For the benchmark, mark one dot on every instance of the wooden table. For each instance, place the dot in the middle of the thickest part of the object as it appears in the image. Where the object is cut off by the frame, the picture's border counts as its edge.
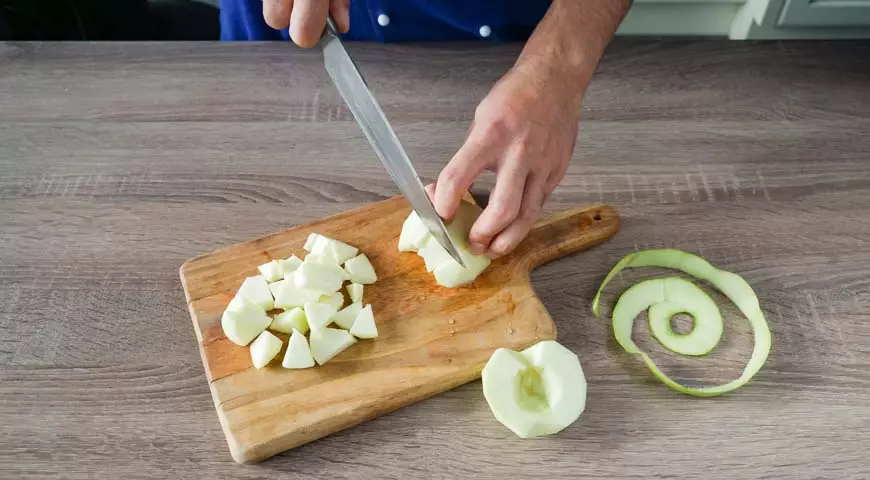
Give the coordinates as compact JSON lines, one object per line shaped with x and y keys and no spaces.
{"x":120,"y":161}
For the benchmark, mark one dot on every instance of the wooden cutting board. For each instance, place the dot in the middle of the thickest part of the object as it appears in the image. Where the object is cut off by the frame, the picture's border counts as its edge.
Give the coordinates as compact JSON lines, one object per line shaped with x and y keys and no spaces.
{"x":431,"y":338}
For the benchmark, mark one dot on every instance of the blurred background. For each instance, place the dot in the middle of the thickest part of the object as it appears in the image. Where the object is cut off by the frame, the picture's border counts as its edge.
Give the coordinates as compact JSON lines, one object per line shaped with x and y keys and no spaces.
{"x":199,"y":19}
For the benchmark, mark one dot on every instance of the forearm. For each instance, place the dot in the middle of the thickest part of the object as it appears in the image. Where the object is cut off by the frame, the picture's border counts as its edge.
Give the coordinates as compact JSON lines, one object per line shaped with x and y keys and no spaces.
{"x":569,"y":42}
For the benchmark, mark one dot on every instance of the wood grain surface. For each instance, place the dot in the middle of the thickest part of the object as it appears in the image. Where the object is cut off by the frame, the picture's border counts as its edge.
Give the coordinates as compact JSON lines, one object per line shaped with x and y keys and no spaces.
{"x":430,"y":338}
{"x":120,"y":161}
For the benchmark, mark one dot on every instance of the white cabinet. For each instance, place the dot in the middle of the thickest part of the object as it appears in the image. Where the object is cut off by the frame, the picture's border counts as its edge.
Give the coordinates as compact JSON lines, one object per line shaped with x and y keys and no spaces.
{"x":749,"y":19}
{"x":786,"y":19}
{"x":825,"y":13}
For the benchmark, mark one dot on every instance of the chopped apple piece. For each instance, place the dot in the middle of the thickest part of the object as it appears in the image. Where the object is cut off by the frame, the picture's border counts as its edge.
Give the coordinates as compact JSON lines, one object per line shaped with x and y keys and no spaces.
{"x":335,"y":300}
{"x":271,"y":271}
{"x":414,"y":234}
{"x":326,"y":343}
{"x":355,"y":292}
{"x":239,"y":303}
{"x":290,"y":320}
{"x":256,"y":290}
{"x":243,"y":325}
{"x":336,"y":249}
{"x":298,"y":354}
{"x":290,"y":296}
{"x":310,"y":241}
{"x":318,"y":277}
{"x":264,"y":349}
{"x":289,"y":265}
{"x":344,"y":318}
{"x":434,"y":255}
{"x":319,"y":315}
{"x":321,"y":259}
{"x":538,"y":391}
{"x":448,"y":272}
{"x":360,"y":270}
{"x":364,"y":324}
{"x":275,"y":287}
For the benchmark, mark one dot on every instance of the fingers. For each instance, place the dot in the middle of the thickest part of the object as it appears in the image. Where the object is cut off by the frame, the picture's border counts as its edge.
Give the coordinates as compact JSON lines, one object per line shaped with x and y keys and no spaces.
{"x":504,"y":204}
{"x":307,"y":21}
{"x":277,"y":13}
{"x":533,"y":199}
{"x":459,"y":174}
{"x":340,"y":11}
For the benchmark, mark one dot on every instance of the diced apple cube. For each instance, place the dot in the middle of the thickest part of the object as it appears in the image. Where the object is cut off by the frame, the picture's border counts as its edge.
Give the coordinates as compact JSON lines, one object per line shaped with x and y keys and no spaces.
{"x":293,"y":319}
{"x":319,"y":315}
{"x":290,"y":296}
{"x":275,"y":287}
{"x":298,"y":354}
{"x":414,"y":234}
{"x":326,"y":343}
{"x":344,"y":318}
{"x":337,"y":249}
{"x":310,"y":241}
{"x":364,"y":324}
{"x":289,"y":265}
{"x":318,"y":277}
{"x":355,"y":292}
{"x":335,"y":300}
{"x":271,"y":271}
{"x":243,"y":325}
{"x":256,"y":290}
{"x":360,"y":270}
{"x":264,"y":349}
{"x":434,"y":255}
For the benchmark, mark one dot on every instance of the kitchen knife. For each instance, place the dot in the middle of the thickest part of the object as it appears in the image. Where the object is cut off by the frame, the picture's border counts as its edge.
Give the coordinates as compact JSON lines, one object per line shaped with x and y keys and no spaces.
{"x":359,"y":99}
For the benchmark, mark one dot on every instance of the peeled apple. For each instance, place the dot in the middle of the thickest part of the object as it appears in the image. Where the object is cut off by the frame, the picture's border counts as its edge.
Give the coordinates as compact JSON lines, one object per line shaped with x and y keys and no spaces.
{"x":335,"y":299}
{"x":665,"y":297}
{"x":538,"y":391}
{"x":415,"y":237}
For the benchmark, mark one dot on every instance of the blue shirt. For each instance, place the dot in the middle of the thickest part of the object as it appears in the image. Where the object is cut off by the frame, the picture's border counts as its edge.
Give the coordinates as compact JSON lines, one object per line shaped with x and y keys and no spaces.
{"x":405,"y":20}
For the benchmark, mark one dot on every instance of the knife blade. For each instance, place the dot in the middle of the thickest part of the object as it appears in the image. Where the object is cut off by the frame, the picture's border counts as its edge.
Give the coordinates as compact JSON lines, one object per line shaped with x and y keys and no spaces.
{"x":359,"y":99}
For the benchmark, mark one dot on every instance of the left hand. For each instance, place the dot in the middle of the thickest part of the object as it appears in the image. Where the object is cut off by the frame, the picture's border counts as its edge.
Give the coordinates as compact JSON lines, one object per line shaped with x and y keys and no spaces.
{"x":524,"y":131}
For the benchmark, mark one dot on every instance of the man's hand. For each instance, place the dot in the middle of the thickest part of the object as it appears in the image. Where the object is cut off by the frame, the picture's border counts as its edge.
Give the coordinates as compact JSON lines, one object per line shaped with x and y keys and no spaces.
{"x":525,"y":129}
{"x":306,"y":18}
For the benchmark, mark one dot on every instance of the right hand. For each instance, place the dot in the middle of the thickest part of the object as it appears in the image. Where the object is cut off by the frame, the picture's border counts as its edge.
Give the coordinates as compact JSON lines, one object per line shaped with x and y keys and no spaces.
{"x":306,"y":18}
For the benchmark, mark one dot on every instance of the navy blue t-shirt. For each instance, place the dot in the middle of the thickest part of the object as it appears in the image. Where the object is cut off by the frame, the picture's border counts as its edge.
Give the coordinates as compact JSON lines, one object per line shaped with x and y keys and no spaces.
{"x":403,"y":20}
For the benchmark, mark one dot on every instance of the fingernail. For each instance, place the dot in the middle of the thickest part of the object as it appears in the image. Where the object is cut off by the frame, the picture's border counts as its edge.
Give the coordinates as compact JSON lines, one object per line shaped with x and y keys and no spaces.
{"x":477,"y":248}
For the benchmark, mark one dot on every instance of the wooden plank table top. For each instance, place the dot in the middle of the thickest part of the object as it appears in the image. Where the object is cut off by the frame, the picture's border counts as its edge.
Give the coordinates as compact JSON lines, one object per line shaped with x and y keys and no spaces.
{"x":120,"y":161}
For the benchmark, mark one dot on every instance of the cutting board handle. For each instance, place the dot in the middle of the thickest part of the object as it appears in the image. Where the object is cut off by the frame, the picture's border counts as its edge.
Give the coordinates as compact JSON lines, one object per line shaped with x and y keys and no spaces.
{"x":566,"y":233}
